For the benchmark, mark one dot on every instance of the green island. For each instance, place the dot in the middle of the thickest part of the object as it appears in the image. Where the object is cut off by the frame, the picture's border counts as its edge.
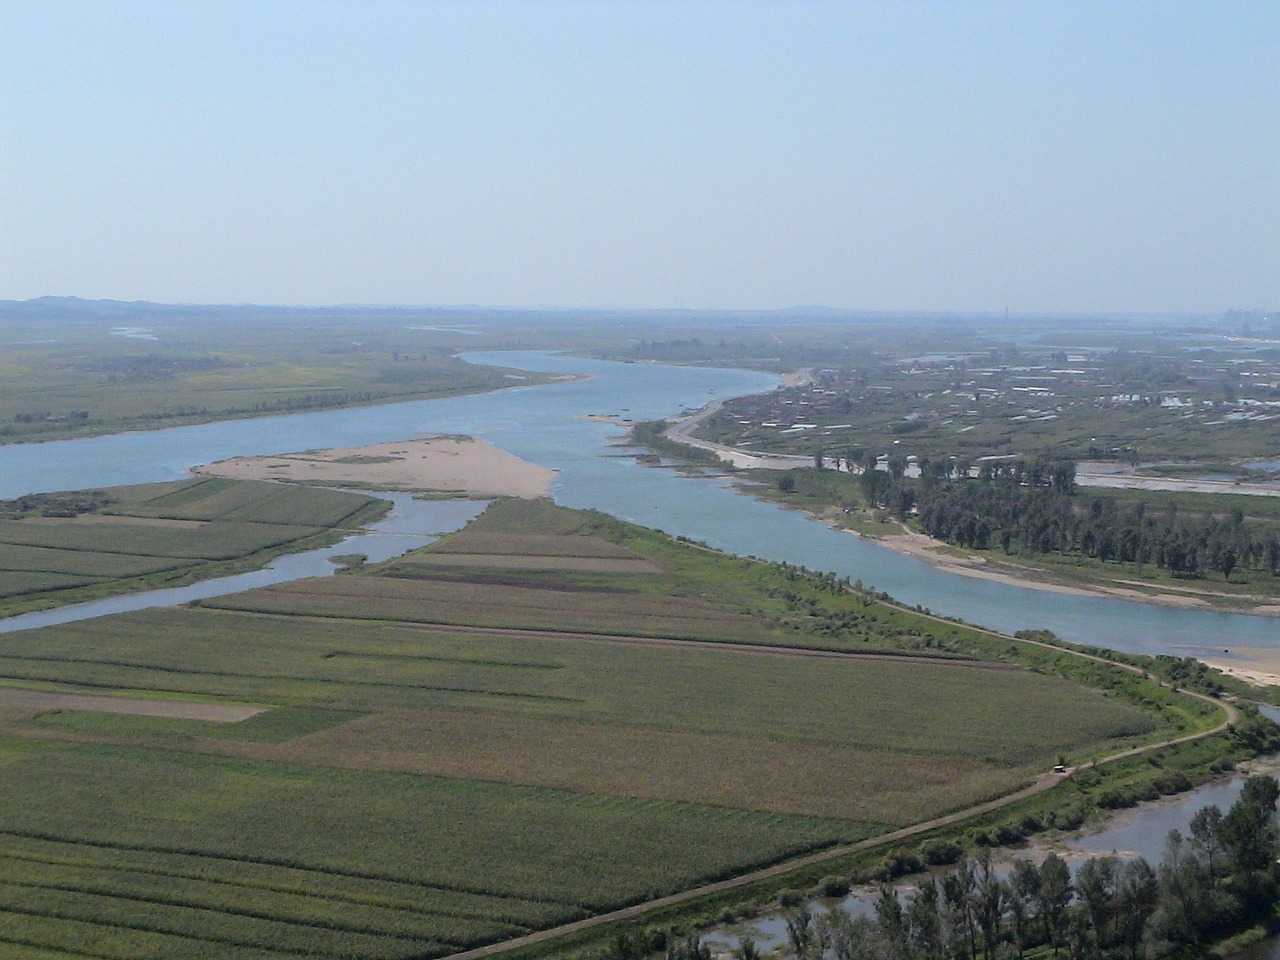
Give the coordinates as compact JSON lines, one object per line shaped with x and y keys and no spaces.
{"x":60,"y":548}
{"x":544,"y":718}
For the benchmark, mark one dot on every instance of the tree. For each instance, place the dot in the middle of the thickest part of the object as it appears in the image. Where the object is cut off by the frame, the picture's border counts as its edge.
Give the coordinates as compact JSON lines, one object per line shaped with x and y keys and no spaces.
{"x":1096,"y":885}
{"x":891,"y":922}
{"x":1024,"y":900}
{"x":989,"y":903}
{"x":924,"y":926}
{"x":1055,"y":895}
{"x":801,"y":933}
{"x":958,"y":889}
{"x":848,"y":939}
{"x":1137,"y":893}
{"x":1248,"y":831}
{"x":1205,"y":840}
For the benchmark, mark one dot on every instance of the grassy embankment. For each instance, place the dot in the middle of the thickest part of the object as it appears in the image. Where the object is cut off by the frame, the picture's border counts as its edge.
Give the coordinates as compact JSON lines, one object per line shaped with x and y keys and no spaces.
{"x":65,"y":548}
{"x":545,"y":716}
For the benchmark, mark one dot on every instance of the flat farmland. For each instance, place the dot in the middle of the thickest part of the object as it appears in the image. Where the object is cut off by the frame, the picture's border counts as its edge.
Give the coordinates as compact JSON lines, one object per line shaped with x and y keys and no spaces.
{"x":455,"y":753}
{"x":197,"y":849}
{"x":61,"y":548}
{"x":478,"y":599}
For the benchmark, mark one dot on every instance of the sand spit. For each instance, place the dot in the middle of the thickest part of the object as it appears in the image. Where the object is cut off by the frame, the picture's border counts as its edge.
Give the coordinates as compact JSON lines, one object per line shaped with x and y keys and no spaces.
{"x":459,"y":465}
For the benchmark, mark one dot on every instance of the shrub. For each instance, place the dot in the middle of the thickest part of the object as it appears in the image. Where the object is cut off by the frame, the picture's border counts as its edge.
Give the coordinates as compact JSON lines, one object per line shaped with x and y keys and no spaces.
{"x":941,"y":853}
{"x":833,"y":886}
{"x":790,"y":898}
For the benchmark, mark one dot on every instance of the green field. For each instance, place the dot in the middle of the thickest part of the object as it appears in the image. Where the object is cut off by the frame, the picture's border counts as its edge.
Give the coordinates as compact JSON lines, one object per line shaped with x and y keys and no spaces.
{"x":65,"y":370}
{"x":455,"y":755}
{"x":63,"y":548}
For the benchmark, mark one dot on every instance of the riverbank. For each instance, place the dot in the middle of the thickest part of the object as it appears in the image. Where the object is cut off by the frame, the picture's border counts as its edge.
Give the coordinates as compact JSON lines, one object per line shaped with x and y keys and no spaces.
{"x":1139,"y":831}
{"x":449,"y":465}
{"x":955,"y":560}
{"x":1253,"y":665}
{"x":945,"y":557}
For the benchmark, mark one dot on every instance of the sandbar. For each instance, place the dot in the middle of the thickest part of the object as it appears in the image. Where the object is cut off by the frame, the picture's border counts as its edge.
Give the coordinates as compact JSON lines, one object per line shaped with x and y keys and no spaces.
{"x":1255,"y":665}
{"x":454,"y":465}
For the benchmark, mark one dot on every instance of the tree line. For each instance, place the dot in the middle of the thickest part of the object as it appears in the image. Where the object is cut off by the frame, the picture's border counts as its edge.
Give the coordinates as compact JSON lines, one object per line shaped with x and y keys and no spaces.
{"x":1218,"y":880}
{"x":1033,"y":507}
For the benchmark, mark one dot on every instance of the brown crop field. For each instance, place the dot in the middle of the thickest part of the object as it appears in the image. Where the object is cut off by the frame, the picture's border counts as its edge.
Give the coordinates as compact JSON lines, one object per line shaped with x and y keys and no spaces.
{"x":426,"y":565}
{"x":455,"y":755}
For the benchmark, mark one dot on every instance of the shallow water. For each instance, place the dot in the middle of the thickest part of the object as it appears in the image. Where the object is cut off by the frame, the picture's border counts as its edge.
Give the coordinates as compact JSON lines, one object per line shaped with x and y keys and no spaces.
{"x":546,"y":424}
{"x":411,"y":524}
{"x":1142,"y":832}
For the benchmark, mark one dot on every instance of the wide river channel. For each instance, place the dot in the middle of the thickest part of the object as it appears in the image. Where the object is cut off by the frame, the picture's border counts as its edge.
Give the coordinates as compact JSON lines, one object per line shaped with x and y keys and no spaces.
{"x":548,"y":424}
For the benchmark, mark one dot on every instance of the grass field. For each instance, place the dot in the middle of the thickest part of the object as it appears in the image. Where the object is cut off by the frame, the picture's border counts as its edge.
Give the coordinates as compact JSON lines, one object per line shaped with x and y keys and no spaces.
{"x":459,"y":753}
{"x":62,"y":548}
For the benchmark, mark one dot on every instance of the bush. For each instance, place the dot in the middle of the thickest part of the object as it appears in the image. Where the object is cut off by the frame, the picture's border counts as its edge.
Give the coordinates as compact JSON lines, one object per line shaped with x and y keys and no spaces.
{"x":941,"y":853}
{"x":833,"y":886}
{"x":790,"y":898}
{"x":1007,"y":833}
{"x":1173,"y":781}
{"x":896,"y":865}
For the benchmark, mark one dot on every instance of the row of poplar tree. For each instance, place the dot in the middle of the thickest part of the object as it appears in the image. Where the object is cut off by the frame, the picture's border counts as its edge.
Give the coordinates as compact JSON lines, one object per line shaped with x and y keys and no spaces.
{"x":1219,"y":879}
{"x":1035,"y":509}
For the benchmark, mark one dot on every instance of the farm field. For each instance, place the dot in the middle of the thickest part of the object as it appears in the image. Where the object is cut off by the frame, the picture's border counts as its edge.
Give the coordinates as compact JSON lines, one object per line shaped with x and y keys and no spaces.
{"x":116,"y":367}
{"x":65,"y":547}
{"x":622,"y":716}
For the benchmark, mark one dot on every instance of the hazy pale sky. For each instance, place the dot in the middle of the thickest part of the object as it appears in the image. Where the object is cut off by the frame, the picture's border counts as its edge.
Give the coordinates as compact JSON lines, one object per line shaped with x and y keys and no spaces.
{"x":1048,"y":156}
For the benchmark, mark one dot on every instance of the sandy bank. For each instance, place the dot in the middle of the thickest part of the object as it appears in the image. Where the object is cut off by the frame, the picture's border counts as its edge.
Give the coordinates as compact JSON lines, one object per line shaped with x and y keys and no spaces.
{"x":460,"y":465}
{"x":926,"y":548}
{"x":1250,"y":664}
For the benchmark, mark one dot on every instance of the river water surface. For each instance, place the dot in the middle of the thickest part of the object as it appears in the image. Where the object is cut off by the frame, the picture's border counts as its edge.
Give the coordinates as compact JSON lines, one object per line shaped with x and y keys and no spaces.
{"x":546,"y":424}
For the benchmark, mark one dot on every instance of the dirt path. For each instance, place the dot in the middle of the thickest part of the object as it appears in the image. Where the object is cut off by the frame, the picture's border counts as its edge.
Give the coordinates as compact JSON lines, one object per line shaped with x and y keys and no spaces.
{"x":43,"y":700}
{"x":1041,"y":784}
{"x":719,"y":646}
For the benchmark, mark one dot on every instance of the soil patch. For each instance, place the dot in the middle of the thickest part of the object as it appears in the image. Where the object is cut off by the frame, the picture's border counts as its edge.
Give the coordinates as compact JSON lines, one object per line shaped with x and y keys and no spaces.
{"x":45,"y":700}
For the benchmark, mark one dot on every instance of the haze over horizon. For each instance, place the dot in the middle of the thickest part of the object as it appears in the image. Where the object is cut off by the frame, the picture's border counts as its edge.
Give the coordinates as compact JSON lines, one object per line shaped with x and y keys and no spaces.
{"x":906,"y":156}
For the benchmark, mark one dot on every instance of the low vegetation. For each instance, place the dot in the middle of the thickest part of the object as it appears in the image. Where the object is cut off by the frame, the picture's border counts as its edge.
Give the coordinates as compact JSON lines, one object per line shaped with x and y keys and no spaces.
{"x":547,"y":715}
{"x":1220,"y":880}
{"x":76,"y":368}
{"x":65,"y":547}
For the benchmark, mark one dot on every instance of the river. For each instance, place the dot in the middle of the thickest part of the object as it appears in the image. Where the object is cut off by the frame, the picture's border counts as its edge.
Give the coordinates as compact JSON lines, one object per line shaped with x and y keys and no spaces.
{"x":547,"y":424}
{"x":1140,"y":832}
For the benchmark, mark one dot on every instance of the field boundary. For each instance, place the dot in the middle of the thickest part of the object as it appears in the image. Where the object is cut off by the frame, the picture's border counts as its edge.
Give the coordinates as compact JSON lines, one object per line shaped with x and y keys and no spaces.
{"x":1042,"y":783}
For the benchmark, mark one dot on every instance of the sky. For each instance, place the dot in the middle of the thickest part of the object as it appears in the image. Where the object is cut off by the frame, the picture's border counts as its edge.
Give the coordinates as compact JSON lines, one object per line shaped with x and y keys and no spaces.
{"x":1118,"y":156}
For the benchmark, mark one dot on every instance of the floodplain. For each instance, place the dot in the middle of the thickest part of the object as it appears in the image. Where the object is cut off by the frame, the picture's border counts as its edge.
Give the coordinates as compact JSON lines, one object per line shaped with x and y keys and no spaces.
{"x":544,"y":716}
{"x":58,"y":548}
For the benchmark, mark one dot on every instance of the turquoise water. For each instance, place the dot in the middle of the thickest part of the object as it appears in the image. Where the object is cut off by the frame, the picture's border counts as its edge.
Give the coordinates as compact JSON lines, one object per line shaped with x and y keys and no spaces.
{"x":547,"y":425}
